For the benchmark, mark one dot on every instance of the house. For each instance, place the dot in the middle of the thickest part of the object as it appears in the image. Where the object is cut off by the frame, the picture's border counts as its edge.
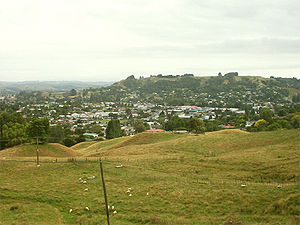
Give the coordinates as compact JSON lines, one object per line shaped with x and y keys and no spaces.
{"x":155,"y":130}
{"x":91,"y":135}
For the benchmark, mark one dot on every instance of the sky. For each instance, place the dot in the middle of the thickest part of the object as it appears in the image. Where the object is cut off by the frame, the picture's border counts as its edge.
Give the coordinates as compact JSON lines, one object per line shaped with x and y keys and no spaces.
{"x":100,"y":40}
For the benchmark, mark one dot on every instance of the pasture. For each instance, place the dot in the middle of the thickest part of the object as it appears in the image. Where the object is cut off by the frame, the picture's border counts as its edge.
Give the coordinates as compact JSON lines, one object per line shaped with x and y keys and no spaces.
{"x":224,"y":177}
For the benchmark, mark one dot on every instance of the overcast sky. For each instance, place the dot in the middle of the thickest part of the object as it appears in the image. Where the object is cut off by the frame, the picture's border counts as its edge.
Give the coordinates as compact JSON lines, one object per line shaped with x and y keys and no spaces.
{"x":108,"y":40}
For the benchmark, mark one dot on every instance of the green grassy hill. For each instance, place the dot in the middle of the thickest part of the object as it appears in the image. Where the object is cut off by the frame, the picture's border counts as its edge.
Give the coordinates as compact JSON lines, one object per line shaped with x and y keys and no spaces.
{"x":47,"y":150}
{"x":87,"y":148}
{"x":224,"y":177}
{"x":193,"y":90}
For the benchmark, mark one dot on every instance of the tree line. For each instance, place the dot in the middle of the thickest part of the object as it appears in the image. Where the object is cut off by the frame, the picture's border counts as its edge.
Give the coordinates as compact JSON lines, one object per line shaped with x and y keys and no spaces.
{"x":14,"y":129}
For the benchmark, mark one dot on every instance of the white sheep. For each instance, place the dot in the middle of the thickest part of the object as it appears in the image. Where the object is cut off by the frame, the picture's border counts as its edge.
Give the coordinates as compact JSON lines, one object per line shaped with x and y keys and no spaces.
{"x":130,"y":195}
{"x":243,"y":185}
{"x":84,"y":182}
{"x":70,"y":211}
{"x":86,"y":189}
{"x":147,"y":193}
{"x":87,"y":208}
{"x":112,"y":207}
{"x":115,"y":212}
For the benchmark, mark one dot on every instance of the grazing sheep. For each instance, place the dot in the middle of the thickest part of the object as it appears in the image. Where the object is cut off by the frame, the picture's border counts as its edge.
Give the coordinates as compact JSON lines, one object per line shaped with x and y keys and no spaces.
{"x":128,"y":191}
{"x":87,"y":208}
{"x":70,"y":211}
{"x":243,"y":185}
{"x":119,"y":166}
{"x":84,"y":182}
{"x":147,"y":193}
{"x":279,"y":186}
{"x":115,"y":212}
{"x":112,"y":207}
{"x":130,"y":195}
{"x":86,"y":189}
{"x":90,"y":178}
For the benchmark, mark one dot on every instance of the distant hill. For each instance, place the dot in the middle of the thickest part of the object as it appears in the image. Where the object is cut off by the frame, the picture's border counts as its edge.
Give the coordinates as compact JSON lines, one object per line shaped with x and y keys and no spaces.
{"x":204,"y":91}
{"x":53,"y":86}
{"x":230,"y":81}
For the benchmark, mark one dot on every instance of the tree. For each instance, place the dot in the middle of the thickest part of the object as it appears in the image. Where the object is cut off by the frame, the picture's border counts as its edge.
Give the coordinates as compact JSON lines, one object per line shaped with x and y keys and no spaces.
{"x":274,"y":126}
{"x":241,"y":122}
{"x":95,"y":128}
{"x":266,"y":114}
{"x":13,"y":134}
{"x":139,"y":126}
{"x":212,"y":125}
{"x":295,"y":120}
{"x":73,"y":92}
{"x":196,"y":125}
{"x":296,"y":98}
{"x":113,"y":129}
{"x":69,"y":142}
{"x":80,"y":138}
{"x":261,"y":125}
{"x":162,"y":114}
{"x":12,"y":129}
{"x":39,"y":128}
{"x":282,"y":112}
{"x":284,"y":124}
{"x":175,"y":123}
{"x":56,"y":134}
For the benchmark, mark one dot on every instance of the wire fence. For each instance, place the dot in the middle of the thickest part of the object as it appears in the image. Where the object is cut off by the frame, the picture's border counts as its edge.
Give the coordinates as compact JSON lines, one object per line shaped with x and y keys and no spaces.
{"x":196,"y":179}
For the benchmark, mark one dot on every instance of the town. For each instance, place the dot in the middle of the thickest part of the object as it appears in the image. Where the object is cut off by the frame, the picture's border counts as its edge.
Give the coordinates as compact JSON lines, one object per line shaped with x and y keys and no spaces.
{"x":83,"y":115}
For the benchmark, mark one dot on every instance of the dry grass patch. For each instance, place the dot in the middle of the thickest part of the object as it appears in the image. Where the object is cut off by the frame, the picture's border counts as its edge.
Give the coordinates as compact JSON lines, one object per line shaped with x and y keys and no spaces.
{"x":47,"y":150}
{"x":82,"y":145}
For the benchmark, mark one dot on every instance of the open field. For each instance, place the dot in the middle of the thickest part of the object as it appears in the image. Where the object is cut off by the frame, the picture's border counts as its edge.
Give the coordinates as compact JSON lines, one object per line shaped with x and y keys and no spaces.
{"x":190,"y":180}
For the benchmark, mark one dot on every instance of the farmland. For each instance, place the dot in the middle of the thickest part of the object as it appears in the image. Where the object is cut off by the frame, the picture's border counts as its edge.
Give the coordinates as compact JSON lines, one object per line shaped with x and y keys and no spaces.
{"x":223,"y":177}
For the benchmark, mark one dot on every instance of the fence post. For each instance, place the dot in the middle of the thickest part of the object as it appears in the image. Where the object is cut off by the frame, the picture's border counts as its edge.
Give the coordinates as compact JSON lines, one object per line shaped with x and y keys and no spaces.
{"x":37,"y":152}
{"x":104,"y":190}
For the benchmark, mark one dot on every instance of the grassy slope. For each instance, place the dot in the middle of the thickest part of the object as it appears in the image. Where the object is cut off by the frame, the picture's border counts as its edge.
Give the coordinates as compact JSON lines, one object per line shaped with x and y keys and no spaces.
{"x":29,"y":150}
{"x":82,"y":145}
{"x":88,"y":148}
{"x":191,"y":180}
{"x":152,"y":80}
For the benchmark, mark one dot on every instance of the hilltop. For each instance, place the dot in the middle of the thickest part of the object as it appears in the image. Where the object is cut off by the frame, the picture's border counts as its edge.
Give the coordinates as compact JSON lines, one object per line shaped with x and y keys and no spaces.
{"x":49,"y":86}
{"x":221,"y":177}
{"x":46,"y":150}
{"x":228,"y":90}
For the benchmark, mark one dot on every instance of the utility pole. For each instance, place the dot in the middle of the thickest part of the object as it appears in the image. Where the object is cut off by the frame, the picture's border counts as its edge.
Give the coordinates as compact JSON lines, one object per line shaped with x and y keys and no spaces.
{"x":104,"y":190}
{"x":37,"y":152}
